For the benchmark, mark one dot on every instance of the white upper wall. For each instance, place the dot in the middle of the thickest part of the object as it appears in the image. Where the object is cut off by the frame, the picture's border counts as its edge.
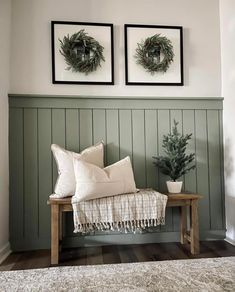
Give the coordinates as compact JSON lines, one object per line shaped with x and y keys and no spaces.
{"x":5,"y":22}
{"x":227,"y":9}
{"x":31,"y":43}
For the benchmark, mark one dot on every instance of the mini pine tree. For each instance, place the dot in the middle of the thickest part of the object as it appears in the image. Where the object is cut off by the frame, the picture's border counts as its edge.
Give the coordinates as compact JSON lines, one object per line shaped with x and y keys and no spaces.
{"x":176,"y":162}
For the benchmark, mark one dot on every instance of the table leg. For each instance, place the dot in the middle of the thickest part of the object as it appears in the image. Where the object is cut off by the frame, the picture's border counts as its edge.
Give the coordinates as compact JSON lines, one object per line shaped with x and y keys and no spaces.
{"x":194,"y":232}
{"x":183,"y":224}
{"x":55,"y":234}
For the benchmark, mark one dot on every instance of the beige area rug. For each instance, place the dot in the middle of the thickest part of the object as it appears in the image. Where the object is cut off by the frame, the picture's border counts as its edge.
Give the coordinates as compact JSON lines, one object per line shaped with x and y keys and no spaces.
{"x":217,"y":274}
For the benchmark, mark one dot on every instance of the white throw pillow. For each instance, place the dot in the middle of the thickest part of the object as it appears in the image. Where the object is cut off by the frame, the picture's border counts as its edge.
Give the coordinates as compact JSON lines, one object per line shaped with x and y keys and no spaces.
{"x":94,"y":182}
{"x":66,"y":184}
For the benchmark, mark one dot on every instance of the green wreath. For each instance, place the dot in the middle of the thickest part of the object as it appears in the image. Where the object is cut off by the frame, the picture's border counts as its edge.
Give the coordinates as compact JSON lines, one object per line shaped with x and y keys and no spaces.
{"x":148,"y":54}
{"x":82,"y":52}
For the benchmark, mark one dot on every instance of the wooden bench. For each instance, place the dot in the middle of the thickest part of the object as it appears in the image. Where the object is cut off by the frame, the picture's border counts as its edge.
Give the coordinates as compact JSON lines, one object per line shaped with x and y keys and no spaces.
{"x":182,"y":200}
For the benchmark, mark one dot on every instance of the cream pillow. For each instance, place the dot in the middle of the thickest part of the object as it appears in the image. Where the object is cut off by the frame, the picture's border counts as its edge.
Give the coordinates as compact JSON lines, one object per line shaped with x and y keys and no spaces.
{"x":65,"y":185}
{"x":94,"y":182}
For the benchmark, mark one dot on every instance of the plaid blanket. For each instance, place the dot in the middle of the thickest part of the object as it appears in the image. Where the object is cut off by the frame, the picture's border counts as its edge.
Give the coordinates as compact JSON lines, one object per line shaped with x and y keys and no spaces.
{"x":124,"y":213}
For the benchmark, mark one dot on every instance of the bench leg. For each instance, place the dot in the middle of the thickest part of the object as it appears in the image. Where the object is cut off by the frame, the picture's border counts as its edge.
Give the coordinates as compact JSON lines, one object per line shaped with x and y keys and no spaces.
{"x":61,"y":225}
{"x":183,"y":224}
{"x":60,"y":231}
{"x":194,"y":232}
{"x":55,"y":234}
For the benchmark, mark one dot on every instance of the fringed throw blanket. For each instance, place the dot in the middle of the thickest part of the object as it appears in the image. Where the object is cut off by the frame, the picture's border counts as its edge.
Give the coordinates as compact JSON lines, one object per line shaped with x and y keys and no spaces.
{"x":125,"y":213}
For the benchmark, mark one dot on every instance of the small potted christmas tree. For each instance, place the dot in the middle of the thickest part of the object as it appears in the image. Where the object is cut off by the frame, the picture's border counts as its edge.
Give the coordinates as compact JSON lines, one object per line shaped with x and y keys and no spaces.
{"x":176,"y":162}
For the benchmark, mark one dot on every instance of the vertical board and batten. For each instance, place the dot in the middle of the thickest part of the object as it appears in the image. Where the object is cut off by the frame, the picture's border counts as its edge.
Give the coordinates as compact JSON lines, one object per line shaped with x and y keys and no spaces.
{"x":130,"y":126}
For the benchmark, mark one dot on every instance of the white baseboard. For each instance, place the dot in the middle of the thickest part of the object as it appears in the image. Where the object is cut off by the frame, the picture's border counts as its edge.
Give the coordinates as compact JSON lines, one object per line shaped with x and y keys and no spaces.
{"x":229,"y":240}
{"x":4,"y":252}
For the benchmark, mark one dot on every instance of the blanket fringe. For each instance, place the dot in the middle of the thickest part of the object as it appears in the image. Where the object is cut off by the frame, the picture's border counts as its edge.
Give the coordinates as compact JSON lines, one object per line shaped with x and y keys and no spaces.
{"x":121,"y":226}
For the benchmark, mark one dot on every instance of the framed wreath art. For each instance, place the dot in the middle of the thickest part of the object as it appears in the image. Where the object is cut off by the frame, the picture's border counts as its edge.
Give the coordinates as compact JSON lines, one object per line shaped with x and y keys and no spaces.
{"x":82,"y":53}
{"x":153,"y":55}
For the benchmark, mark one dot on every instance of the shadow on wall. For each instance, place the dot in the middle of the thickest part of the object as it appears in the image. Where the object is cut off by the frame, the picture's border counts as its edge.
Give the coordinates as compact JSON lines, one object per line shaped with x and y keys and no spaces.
{"x":229,"y":189}
{"x":230,"y":203}
{"x":228,"y":159}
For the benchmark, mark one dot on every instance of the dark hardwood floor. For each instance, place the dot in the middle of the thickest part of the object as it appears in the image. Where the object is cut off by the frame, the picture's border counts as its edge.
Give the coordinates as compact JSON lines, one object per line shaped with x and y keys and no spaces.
{"x":117,"y":254}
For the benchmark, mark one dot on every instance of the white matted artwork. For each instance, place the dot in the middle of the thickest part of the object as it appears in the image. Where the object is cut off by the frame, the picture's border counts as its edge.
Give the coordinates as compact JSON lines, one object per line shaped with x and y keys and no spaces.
{"x":82,"y":53}
{"x":153,"y":55}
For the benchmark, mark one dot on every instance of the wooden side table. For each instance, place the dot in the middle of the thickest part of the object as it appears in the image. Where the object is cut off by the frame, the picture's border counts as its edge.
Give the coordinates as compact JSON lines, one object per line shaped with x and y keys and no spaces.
{"x":183,"y":200}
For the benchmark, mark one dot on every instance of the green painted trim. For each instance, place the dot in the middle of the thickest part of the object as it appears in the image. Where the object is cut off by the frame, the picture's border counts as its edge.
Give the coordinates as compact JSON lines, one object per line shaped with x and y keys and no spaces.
{"x":118,"y":239}
{"x":30,"y":244}
{"x":67,"y":102}
{"x":111,"y":239}
{"x":13,"y":95}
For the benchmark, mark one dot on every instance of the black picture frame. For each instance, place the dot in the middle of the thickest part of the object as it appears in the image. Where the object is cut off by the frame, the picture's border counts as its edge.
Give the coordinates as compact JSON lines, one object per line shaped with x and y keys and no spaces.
{"x":79,"y":79}
{"x":130,"y":71}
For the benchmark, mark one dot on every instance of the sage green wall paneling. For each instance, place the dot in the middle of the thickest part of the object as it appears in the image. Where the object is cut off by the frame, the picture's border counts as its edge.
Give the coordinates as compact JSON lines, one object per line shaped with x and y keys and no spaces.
{"x":214,"y":169}
{"x":125,"y":128}
{"x":16,"y":134}
{"x":72,"y":143}
{"x":31,"y":204}
{"x":72,"y":129}
{"x":86,"y":128}
{"x":44,"y":170}
{"x":151,"y":141}
{"x":222,"y":167}
{"x":139,"y":148}
{"x":190,"y":179}
{"x":177,"y":116}
{"x":188,"y":128}
{"x":112,"y":136}
{"x":129,"y":127}
{"x":202,"y":167}
{"x":58,"y":134}
{"x":163,"y":129}
{"x":99,"y":125}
